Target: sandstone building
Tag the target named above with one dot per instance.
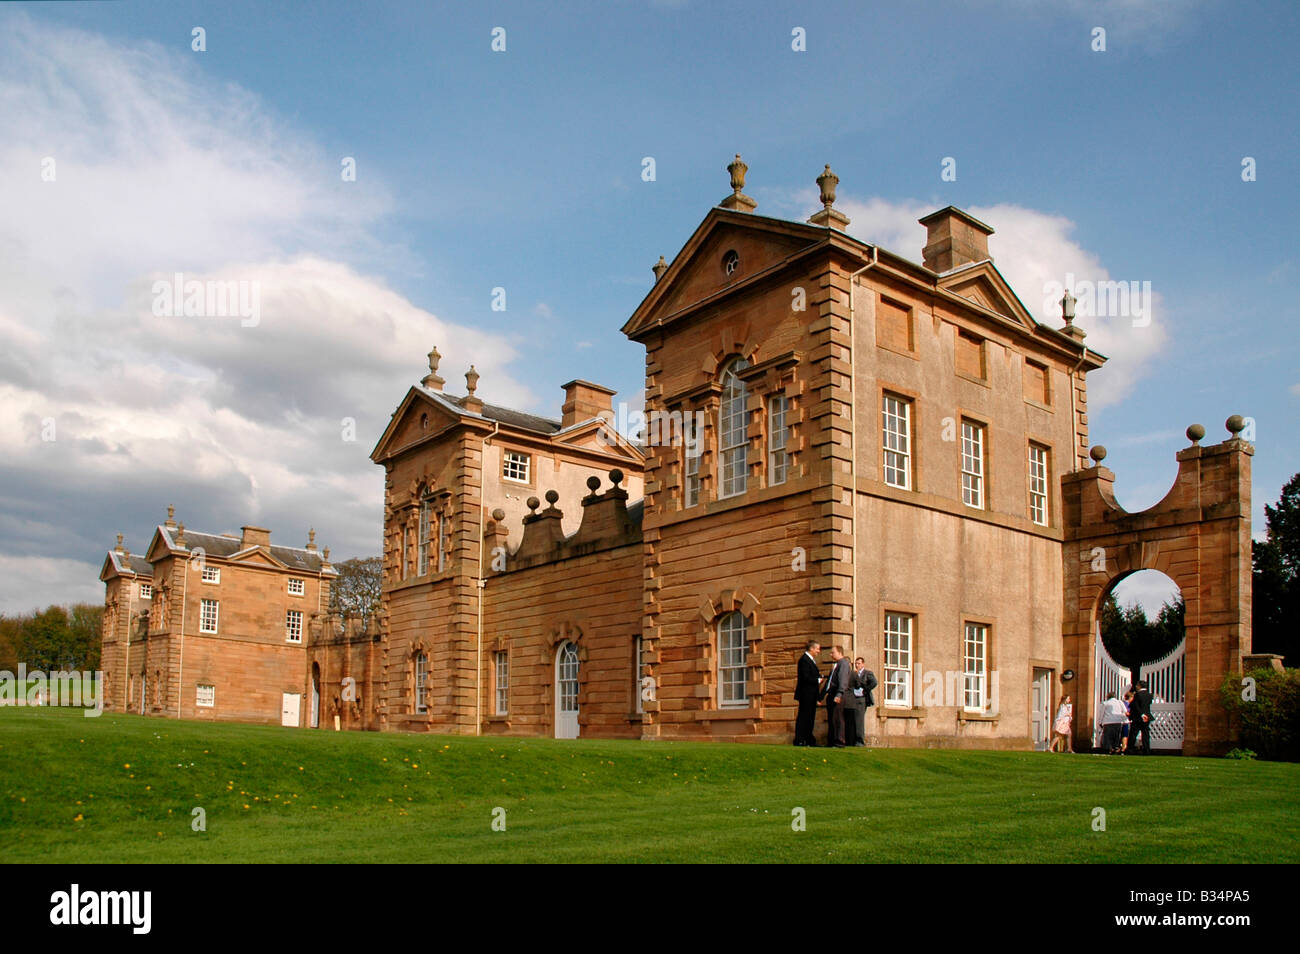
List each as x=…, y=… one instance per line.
x=214, y=626
x=846, y=444
x=894, y=457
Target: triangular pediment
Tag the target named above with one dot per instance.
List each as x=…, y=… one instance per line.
x=158, y=547
x=984, y=285
x=419, y=416
x=596, y=434
x=109, y=569
x=699, y=272
x=257, y=556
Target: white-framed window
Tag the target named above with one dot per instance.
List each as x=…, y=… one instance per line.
x=293, y=626
x=212, y=574
x=205, y=697
x=691, y=491
x=975, y=665
x=442, y=543
x=777, y=435
x=733, y=442
x=404, y=558
x=898, y=659
x=146, y=591
x=422, y=540
x=503, y=682
x=1038, y=471
x=972, y=464
x=733, y=660
x=638, y=667
x=896, y=428
x=208, y=613
x=515, y=466
x=296, y=587
x=421, y=681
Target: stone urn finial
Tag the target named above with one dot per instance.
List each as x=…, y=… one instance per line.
x=738, y=201
x=827, y=182
x=432, y=381
x=471, y=380
x=118, y=548
x=659, y=268
x=828, y=216
x=737, y=168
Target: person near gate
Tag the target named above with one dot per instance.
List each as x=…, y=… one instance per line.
x=1140, y=712
x=806, y=690
x=1061, y=727
x=834, y=689
x=861, y=682
x=1112, y=722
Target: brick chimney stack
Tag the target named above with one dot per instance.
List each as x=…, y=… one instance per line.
x=584, y=400
x=954, y=238
x=254, y=537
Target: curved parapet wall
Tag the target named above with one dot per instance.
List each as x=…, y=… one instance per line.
x=1198, y=536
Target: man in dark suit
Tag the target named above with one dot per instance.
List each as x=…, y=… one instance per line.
x=806, y=688
x=1139, y=713
x=861, y=683
x=835, y=688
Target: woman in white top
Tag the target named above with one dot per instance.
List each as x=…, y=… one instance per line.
x=1061, y=727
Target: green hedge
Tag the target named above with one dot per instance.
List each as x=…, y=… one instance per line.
x=1269, y=724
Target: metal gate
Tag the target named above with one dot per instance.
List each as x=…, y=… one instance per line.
x=1165, y=681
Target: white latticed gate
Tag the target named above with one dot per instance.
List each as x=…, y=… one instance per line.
x=1110, y=677
x=1165, y=681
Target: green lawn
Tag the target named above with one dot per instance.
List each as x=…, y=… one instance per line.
x=122, y=789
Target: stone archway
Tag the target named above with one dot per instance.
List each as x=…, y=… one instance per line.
x=1199, y=537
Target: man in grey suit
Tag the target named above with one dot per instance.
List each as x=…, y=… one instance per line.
x=861, y=682
x=836, y=692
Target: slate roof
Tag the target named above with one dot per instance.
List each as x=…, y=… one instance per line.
x=132, y=564
x=220, y=545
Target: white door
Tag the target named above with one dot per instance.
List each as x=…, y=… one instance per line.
x=315, y=698
x=291, y=708
x=566, y=692
x=1041, y=714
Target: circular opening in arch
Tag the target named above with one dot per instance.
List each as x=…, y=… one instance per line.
x=1142, y=619
x=730, y=262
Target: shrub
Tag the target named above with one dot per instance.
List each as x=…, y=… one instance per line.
x=1268, y=724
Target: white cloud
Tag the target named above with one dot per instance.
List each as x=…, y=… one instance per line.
x=37, y=582
x=159, y=170
x=1032, y=250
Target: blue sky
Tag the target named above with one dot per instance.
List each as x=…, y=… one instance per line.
x=522, y=169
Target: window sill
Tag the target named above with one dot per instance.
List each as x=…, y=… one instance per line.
x=964, y=716
x=898, y=712
x=982, y=382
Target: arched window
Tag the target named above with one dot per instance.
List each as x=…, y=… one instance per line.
x=733, y=660
x=421, y=680
x=733, y=444
x=422, y=542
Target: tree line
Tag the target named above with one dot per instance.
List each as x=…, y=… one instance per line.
x=57, y=638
